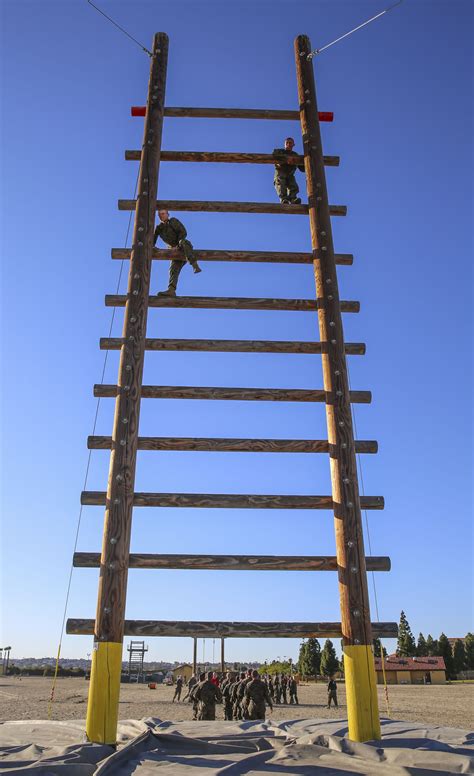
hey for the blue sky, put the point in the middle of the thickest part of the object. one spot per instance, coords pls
(401, 93)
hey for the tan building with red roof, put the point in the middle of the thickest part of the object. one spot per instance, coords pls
(411, 670)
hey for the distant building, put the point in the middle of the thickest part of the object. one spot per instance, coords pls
(411, 670)
(186, 671)
(453, 641)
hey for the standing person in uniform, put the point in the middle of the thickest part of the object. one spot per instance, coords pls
(242, 697)
(237, 708)
(285, 168)
(277, 686)
(192, 695)
(226, 688)
(293, 689)
(179, 687)
(192, 682)
(257, 695)
(207, 695)
(332, 692)
(284, 688)
(271, 689)
(173, 233)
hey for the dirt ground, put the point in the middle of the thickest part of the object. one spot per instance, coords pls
(27, 698)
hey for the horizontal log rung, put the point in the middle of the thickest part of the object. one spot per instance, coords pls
(229, 501)
(232, 303)
(238, 630)
(222, 445)
(232, 394)
(232, 113)
(207, 206)
(229, 157)
(235, 346)
(230, 562)
(266, 257)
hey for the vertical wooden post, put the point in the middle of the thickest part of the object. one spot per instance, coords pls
(195, 655)
(102, 711)
(359, 667)
(222, 656)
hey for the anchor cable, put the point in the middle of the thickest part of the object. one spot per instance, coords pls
(144, 48)
(86, 476)
(346, 34)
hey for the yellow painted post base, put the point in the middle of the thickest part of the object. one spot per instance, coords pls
(104, 690)
(361, 692)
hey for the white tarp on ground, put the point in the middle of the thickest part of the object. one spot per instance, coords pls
(300, 747)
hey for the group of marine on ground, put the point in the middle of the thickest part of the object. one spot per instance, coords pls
(174, 233)
(244, 695)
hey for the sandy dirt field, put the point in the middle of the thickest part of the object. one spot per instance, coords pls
(27, 698)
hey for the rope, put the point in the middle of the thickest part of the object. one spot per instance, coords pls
(361, 477)
(346, 34)
(79, 519)
(144, 48)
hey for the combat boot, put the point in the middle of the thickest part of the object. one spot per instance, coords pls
(196, 268)
(295, 201)
(169, 292)
(285, 201)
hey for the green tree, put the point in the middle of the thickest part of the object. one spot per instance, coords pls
(432, 646)
(329, 661)
(469, 651)
(309, 660)
(459, 657)
(445, 651)
(421, 647)
(378, 649)
(406, 646)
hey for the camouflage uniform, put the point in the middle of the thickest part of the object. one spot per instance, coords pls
(284, 688)
(227, 688)
(293, 688)
(192, 699)
(257, 696)
(332, 693)
(177, 692)
(207, 694)
(277, 686)
(236, 697)
(173, 233)
(284, 179)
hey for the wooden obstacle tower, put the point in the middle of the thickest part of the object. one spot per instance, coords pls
(110, 626)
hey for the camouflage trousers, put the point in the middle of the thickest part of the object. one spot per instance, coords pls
(207, 711)
(256, 710)
(286, 186)
(176, 265)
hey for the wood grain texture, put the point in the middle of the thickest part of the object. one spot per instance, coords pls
(228, 445)
(121, 482)
(232, 346)
(228, 501)
(265, 257)
(207, 206)
(232, 394)
(230, 562)
(240, 113)
(355, 610)
(231, 303)
(238, 630)
(229, 157)
(232, 113)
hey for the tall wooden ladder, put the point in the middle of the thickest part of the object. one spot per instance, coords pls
(136, 655)
(110, 626)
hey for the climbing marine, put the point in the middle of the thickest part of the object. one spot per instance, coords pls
(285, 168)
(174, 234)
